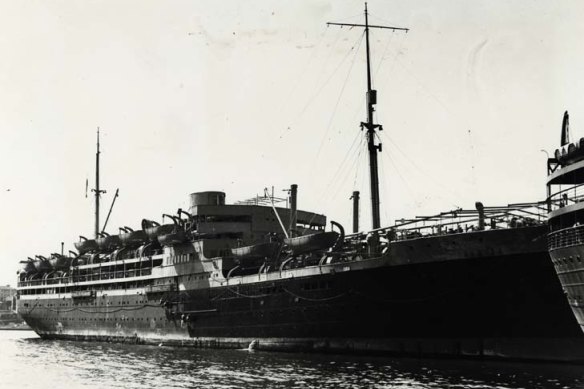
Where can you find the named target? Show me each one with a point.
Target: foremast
(370, 125)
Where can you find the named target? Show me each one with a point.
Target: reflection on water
(29, 362)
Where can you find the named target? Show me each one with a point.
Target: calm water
(28, 362)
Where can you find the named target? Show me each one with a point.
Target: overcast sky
(238, 96)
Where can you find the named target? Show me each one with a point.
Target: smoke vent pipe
(481, 210)
(355, 198)
(293, 208)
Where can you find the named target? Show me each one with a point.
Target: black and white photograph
(292, 194)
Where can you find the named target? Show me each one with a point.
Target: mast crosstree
(369, 124)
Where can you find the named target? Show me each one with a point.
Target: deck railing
(567, 196)
(464, 220)
(90, 276)
(566, 237)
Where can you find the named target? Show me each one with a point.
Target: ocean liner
(471, 283)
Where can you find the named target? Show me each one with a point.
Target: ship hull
(560, 350)
(460, 302)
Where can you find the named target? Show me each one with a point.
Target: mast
(97, 191)
(370, 124)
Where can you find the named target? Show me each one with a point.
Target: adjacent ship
(465, 283)
(566, 218)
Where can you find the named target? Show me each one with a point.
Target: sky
(239, 96)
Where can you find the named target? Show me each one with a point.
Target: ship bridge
(249, 221)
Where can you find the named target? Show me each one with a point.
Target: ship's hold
(85, 245)
(263, 250)
(312, 242)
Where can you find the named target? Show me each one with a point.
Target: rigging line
(472, 159)
(338, 99)
(366, 207)
(342, 164)
(383, 53)
(134, 308)
(357, 168)
(314, 96)
(348, 18)
(432, 95)
(344, 179)
(318, 80)
(352, 168)
(385, 21)
(384, 184)
(420, 170)
(305, 67)
(331, 187)
(315, 299)
(329, 55)
(401, 40)
(323, 193)
(411, 192)
(336, 184)
(347, 154)
(257, 296)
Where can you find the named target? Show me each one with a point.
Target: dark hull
(502, 305)
(570, 271)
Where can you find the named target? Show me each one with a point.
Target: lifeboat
(108, 242)
(133, 238)
(172, 238)
(60, 262)
(313, 242)
(85, 245)
(153, 229)
(42, 264)
(27, 267)
(262, 250)
(81, 260)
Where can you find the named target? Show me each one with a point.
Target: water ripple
(28, 362)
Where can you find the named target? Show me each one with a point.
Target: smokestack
(565, 129)
(355, 198)
(293, 208)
